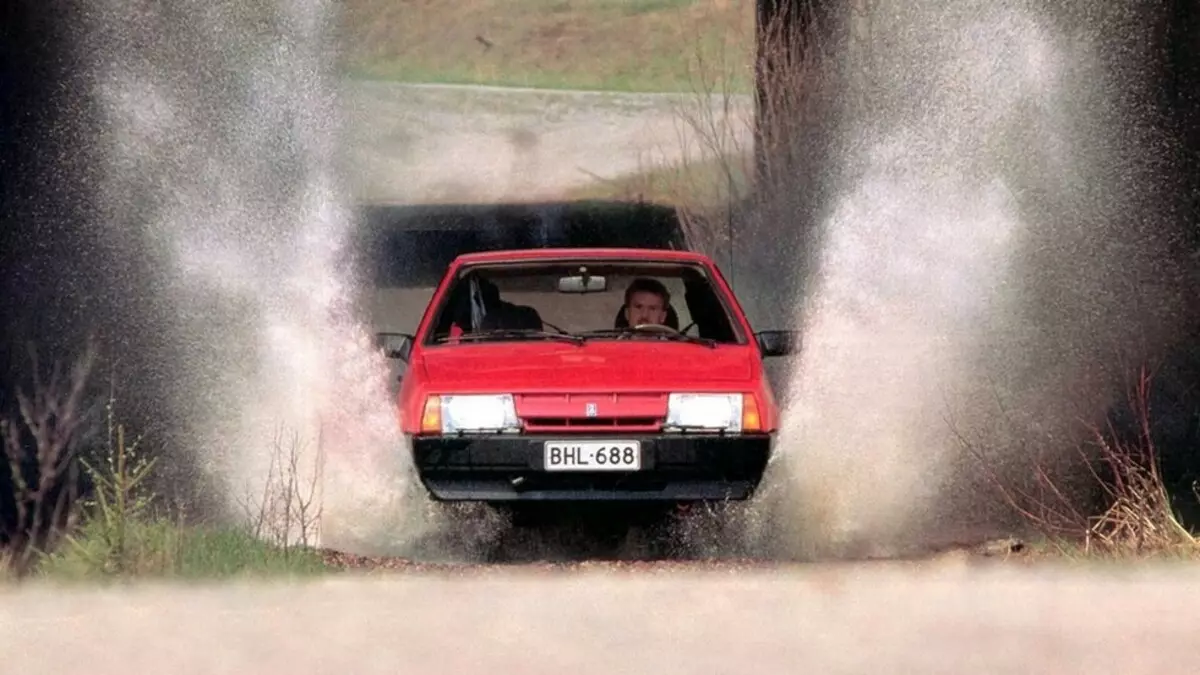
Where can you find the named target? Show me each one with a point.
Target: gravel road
(877, 618)
(464, 144)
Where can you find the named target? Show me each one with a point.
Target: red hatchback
(587, 374)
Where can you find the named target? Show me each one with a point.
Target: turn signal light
(431, 416)
(751, 419)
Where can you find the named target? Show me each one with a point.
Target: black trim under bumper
(510, 468)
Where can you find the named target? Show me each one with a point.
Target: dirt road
(879, 618)
(463, 144)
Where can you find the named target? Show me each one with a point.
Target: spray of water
(221, 140)
(989, 249)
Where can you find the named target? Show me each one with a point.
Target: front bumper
(511, 468)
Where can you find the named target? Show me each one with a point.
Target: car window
(532, 297)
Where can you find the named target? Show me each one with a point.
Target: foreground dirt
(355, 563)
(869, 618)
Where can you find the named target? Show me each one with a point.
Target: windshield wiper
(501, 334)
(667, 334)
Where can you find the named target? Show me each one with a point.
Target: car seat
(524, 317)
(672, 319)
(507, 316)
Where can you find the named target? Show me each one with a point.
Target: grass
(618, 45)
(164, 549)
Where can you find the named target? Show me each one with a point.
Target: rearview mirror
(581, 284)
(395, 345)
(778, 342)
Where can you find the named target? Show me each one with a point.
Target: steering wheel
(655, 328)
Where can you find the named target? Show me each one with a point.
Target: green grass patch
(161, 549)
(622, 45)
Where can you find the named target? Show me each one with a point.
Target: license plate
(593, 455)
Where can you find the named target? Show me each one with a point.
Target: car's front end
(506, 438)
(664, 446)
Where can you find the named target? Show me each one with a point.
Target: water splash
(221, 125)
(991, 243)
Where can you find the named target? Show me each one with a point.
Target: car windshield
(582, 301)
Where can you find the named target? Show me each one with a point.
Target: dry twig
(40, 446)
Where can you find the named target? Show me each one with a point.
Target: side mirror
(778, 342)
(395, 345)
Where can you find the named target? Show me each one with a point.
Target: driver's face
(645, 307)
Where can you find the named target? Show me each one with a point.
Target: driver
(646, 301)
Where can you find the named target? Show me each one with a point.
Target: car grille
(568, 413)
(586, 424)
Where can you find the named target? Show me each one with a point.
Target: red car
(587, 374)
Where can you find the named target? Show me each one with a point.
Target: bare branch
(40, 446)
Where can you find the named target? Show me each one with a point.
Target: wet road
(870, 618)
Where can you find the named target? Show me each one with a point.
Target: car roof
(592, 253)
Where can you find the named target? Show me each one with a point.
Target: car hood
(593, 366)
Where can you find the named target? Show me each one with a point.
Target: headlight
(474, 412)
(705, 411)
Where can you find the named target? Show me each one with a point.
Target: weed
(1140, 518)
(1136, 517)
(41, 445)
(287, 513)
(119, 503)
(120, 528)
